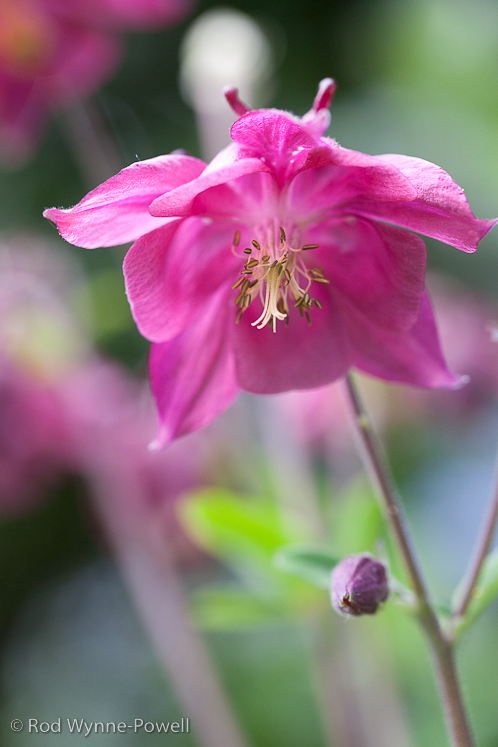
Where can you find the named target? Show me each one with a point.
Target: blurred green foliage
(244, 534)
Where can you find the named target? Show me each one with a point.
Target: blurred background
(418, 77)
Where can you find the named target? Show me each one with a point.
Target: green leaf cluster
(272, 570)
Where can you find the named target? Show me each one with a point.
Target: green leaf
(314, 563)
(485, 592)
(234, 528)
(225, 607)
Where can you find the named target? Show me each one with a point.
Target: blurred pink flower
(53, 52)
(34, 448)
(294, 230)
(65, 410)
(466, 321)
(110, 419)
(35, 354)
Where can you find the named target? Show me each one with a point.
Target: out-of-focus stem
(440, 646)
(159, 598)
(91, 140)
(156, 590)
(480, 552)
(292, 477)
(358, 689)
(337, 695)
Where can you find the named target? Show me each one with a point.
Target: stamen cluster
(274, 274)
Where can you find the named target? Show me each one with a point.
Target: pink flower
(295, 235)
(53, 52)
(34, 448)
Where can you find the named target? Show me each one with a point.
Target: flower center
(275, 271)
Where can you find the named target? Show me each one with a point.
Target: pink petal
(440, 209)
(316, 192)
(310, 196)
(323, 98)
(317, 120)
(300, 356)
(319, 155)
(116, 212)
(231, 93)
(379, 268)
(228, 165)
(275, 137)
(228, 156)
(248, 200)
(171, 273)
(193, 375)
(412, 357)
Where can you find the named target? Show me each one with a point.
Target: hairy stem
(441, 647)
(480, 552)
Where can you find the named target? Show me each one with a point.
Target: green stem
(441, 648)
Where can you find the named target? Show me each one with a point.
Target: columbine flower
(55, 51)
(359, 585)
(277, 266)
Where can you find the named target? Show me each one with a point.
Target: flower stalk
(479, 554)
(441, 647)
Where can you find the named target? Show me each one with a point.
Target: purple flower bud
(359, 585)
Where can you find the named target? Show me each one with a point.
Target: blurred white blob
(223, 47)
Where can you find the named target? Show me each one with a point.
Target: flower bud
(359, 585)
